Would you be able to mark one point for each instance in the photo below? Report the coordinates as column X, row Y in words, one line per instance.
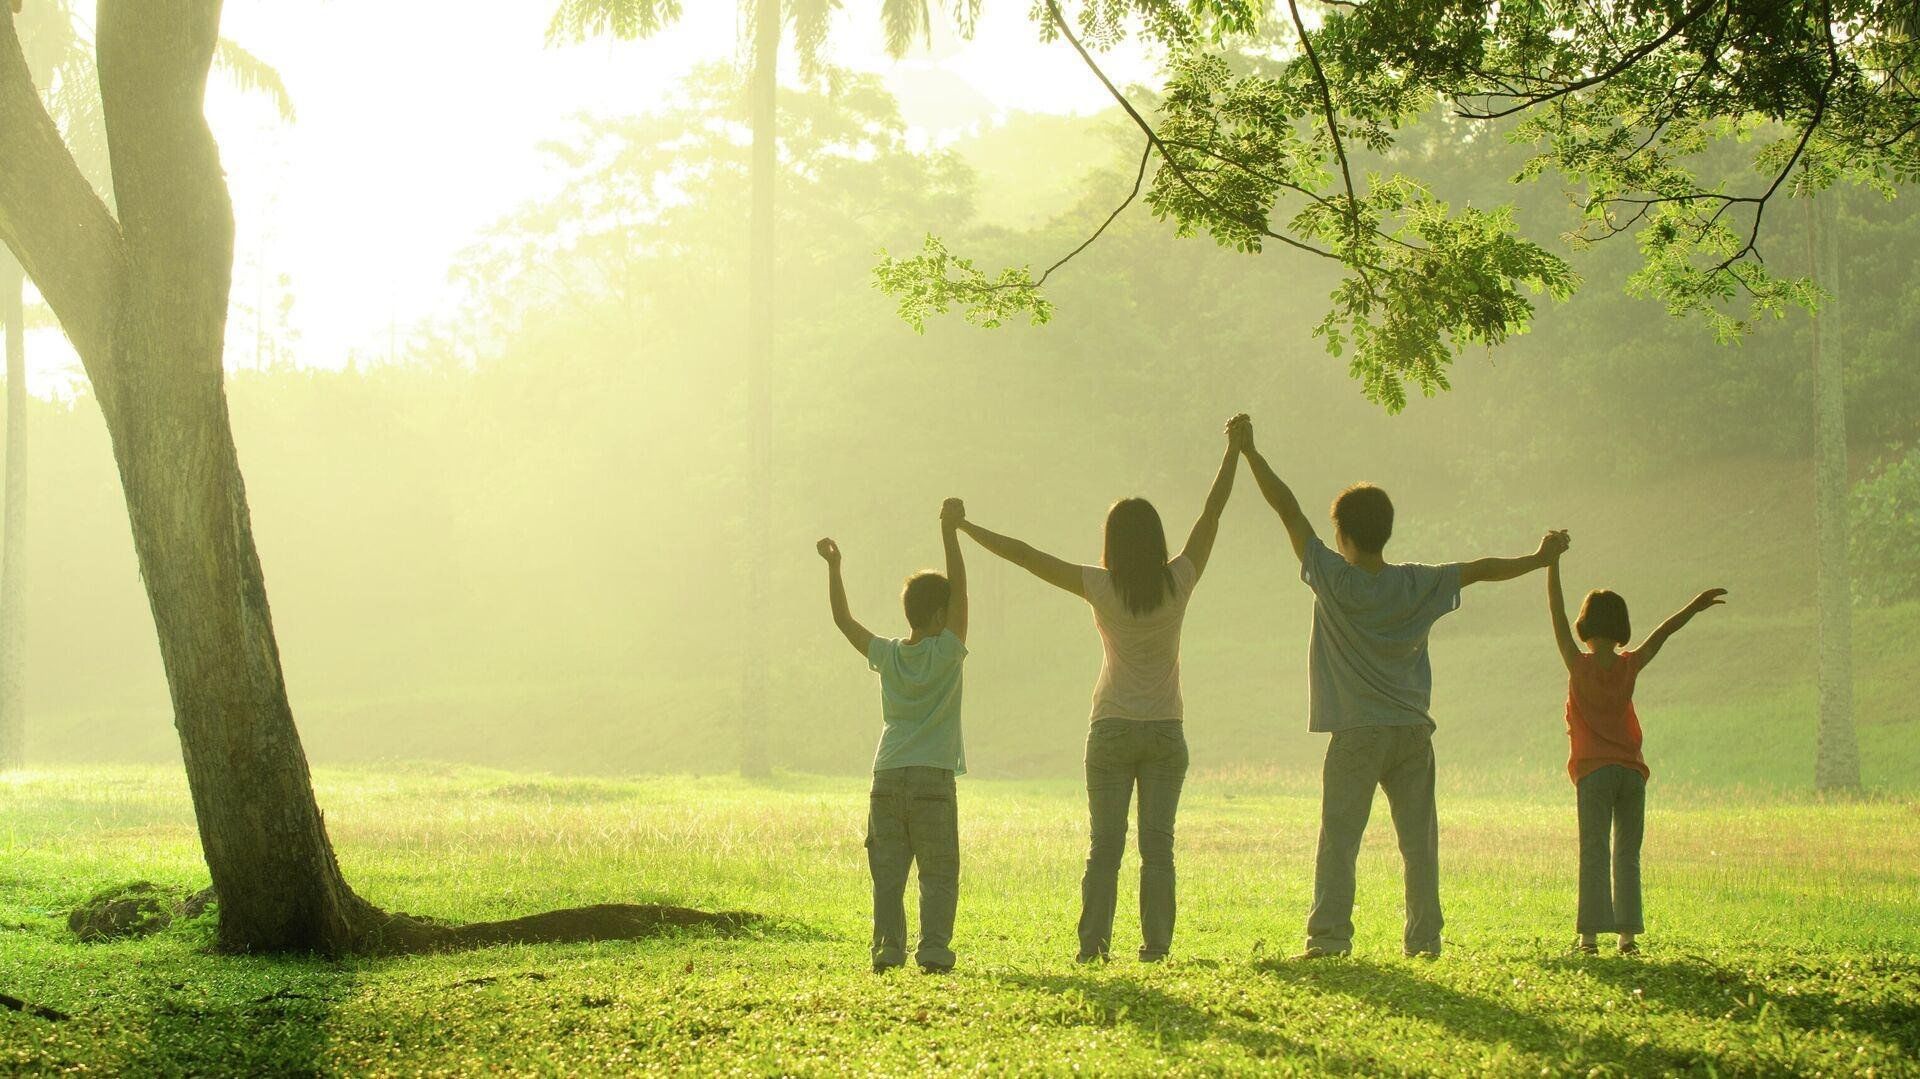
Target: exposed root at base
column 403, row 934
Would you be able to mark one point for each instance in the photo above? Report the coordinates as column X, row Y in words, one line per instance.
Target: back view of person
column 1604, row 761
column 1371, row 688
column 912, row 811
column 1137, row 737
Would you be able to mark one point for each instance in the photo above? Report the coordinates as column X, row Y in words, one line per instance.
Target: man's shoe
column 1314, row 952
column 1090, row 957
column 1425, row 953
column 936, row 968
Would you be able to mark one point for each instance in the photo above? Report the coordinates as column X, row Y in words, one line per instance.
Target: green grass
column 1784, row 938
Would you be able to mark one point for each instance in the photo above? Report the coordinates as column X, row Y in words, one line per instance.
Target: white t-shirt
column 1140, row 666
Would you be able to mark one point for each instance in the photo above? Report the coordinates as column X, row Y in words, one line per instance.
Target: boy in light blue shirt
column 912, row 814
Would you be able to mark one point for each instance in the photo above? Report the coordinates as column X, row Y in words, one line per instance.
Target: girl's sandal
column 1629, row 948
column 1586, row 947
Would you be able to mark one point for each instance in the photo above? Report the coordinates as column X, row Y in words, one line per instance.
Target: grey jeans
column 1399, row 760
column 1612, row 799
column 1123, row 754
column 913, row 817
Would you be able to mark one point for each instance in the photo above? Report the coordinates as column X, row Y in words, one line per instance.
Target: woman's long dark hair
column 1136, row 555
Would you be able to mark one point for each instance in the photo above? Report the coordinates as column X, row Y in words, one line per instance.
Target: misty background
column 499, row 485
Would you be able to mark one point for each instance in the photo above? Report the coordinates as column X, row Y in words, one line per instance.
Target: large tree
column 1268, row 113
column 142, row 291
column 60, row 62
column 903, row 21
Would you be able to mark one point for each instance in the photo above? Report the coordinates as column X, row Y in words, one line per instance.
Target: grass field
column 1783, row 938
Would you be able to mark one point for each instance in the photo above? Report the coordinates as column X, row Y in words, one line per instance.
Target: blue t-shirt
column 1367, row 661
column 920, row 702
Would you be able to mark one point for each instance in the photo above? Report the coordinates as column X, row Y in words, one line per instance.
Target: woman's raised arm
column 1057, row 572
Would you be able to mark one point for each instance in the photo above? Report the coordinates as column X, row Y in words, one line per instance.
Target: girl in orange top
column 1605, row 764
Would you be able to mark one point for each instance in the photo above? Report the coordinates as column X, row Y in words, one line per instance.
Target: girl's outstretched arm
column 1206, row 529
column 1557, row 607
column 1709, row 598
column 1057, row 572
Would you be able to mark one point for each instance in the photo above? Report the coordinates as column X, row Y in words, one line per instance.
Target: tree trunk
column 13, row 536
column 1837, row 755
column 266, row 845
column 762, row 102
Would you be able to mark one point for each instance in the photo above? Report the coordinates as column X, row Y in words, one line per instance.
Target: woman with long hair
column 1137, row 739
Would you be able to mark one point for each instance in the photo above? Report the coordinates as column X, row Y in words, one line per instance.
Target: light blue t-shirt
column 920, row 702
column 1367, row 661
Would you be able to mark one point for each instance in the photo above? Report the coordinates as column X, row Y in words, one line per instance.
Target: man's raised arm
column 1552, row 546
column 1275, row 491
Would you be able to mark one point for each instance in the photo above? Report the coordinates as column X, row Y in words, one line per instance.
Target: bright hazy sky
column 417, row 122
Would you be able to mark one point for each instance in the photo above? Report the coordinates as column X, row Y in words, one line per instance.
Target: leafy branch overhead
column 1263, row 114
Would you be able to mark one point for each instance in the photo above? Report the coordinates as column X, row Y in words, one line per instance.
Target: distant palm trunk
column 13, row 637
column 763, row 83
column 1837, row 756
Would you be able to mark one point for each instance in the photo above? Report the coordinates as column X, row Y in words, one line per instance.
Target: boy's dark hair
column 1364, row 514
column 1136, row 555
column 1604, row 614
column 926, row 595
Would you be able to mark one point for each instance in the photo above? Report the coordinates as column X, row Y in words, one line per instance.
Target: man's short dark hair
column 926, row 595
column 1604, row 614
column 1364, row 514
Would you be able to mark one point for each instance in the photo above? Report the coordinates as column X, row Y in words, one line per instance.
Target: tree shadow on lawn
column 1396, row 988
column 1798, row 994
column 1175, row 1022
column 247, row 1017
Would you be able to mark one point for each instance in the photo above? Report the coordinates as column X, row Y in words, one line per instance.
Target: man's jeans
column 913, row 817
column 1613, row 798
column 1120, row 754
column 1399, row 759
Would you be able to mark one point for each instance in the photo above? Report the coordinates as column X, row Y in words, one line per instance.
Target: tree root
column 406, row 934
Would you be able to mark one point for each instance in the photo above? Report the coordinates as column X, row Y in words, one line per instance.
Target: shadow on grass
column 1115, row 999
column 255, row 1017
column 1883, row 1004
column 1397, row 988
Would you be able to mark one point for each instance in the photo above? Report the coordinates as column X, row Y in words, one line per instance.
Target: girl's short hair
column 1604, row 614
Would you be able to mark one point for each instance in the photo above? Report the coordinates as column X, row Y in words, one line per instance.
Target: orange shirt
column 1601, row 723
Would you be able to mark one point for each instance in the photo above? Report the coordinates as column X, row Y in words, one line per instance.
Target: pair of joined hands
column 953, row 511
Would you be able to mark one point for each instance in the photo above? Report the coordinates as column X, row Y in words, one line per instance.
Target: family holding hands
column 1370, row 688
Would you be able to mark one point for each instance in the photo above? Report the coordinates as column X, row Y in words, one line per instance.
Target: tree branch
column 1153, row 139
column 1631, row 58
column 50, row 217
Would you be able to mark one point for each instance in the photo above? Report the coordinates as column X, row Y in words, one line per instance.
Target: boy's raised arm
column 952, row 513
column 1552, row 545
column 1710, row 598
column 1276, row 492
column 1557, row 607
column 1057, row 572
column 856, row 634
column 1206, row 529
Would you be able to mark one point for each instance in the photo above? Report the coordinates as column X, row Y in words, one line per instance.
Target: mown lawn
column 1784, row 938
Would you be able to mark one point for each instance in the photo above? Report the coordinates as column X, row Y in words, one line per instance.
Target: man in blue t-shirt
column 1370, row 686
column 912, row 815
